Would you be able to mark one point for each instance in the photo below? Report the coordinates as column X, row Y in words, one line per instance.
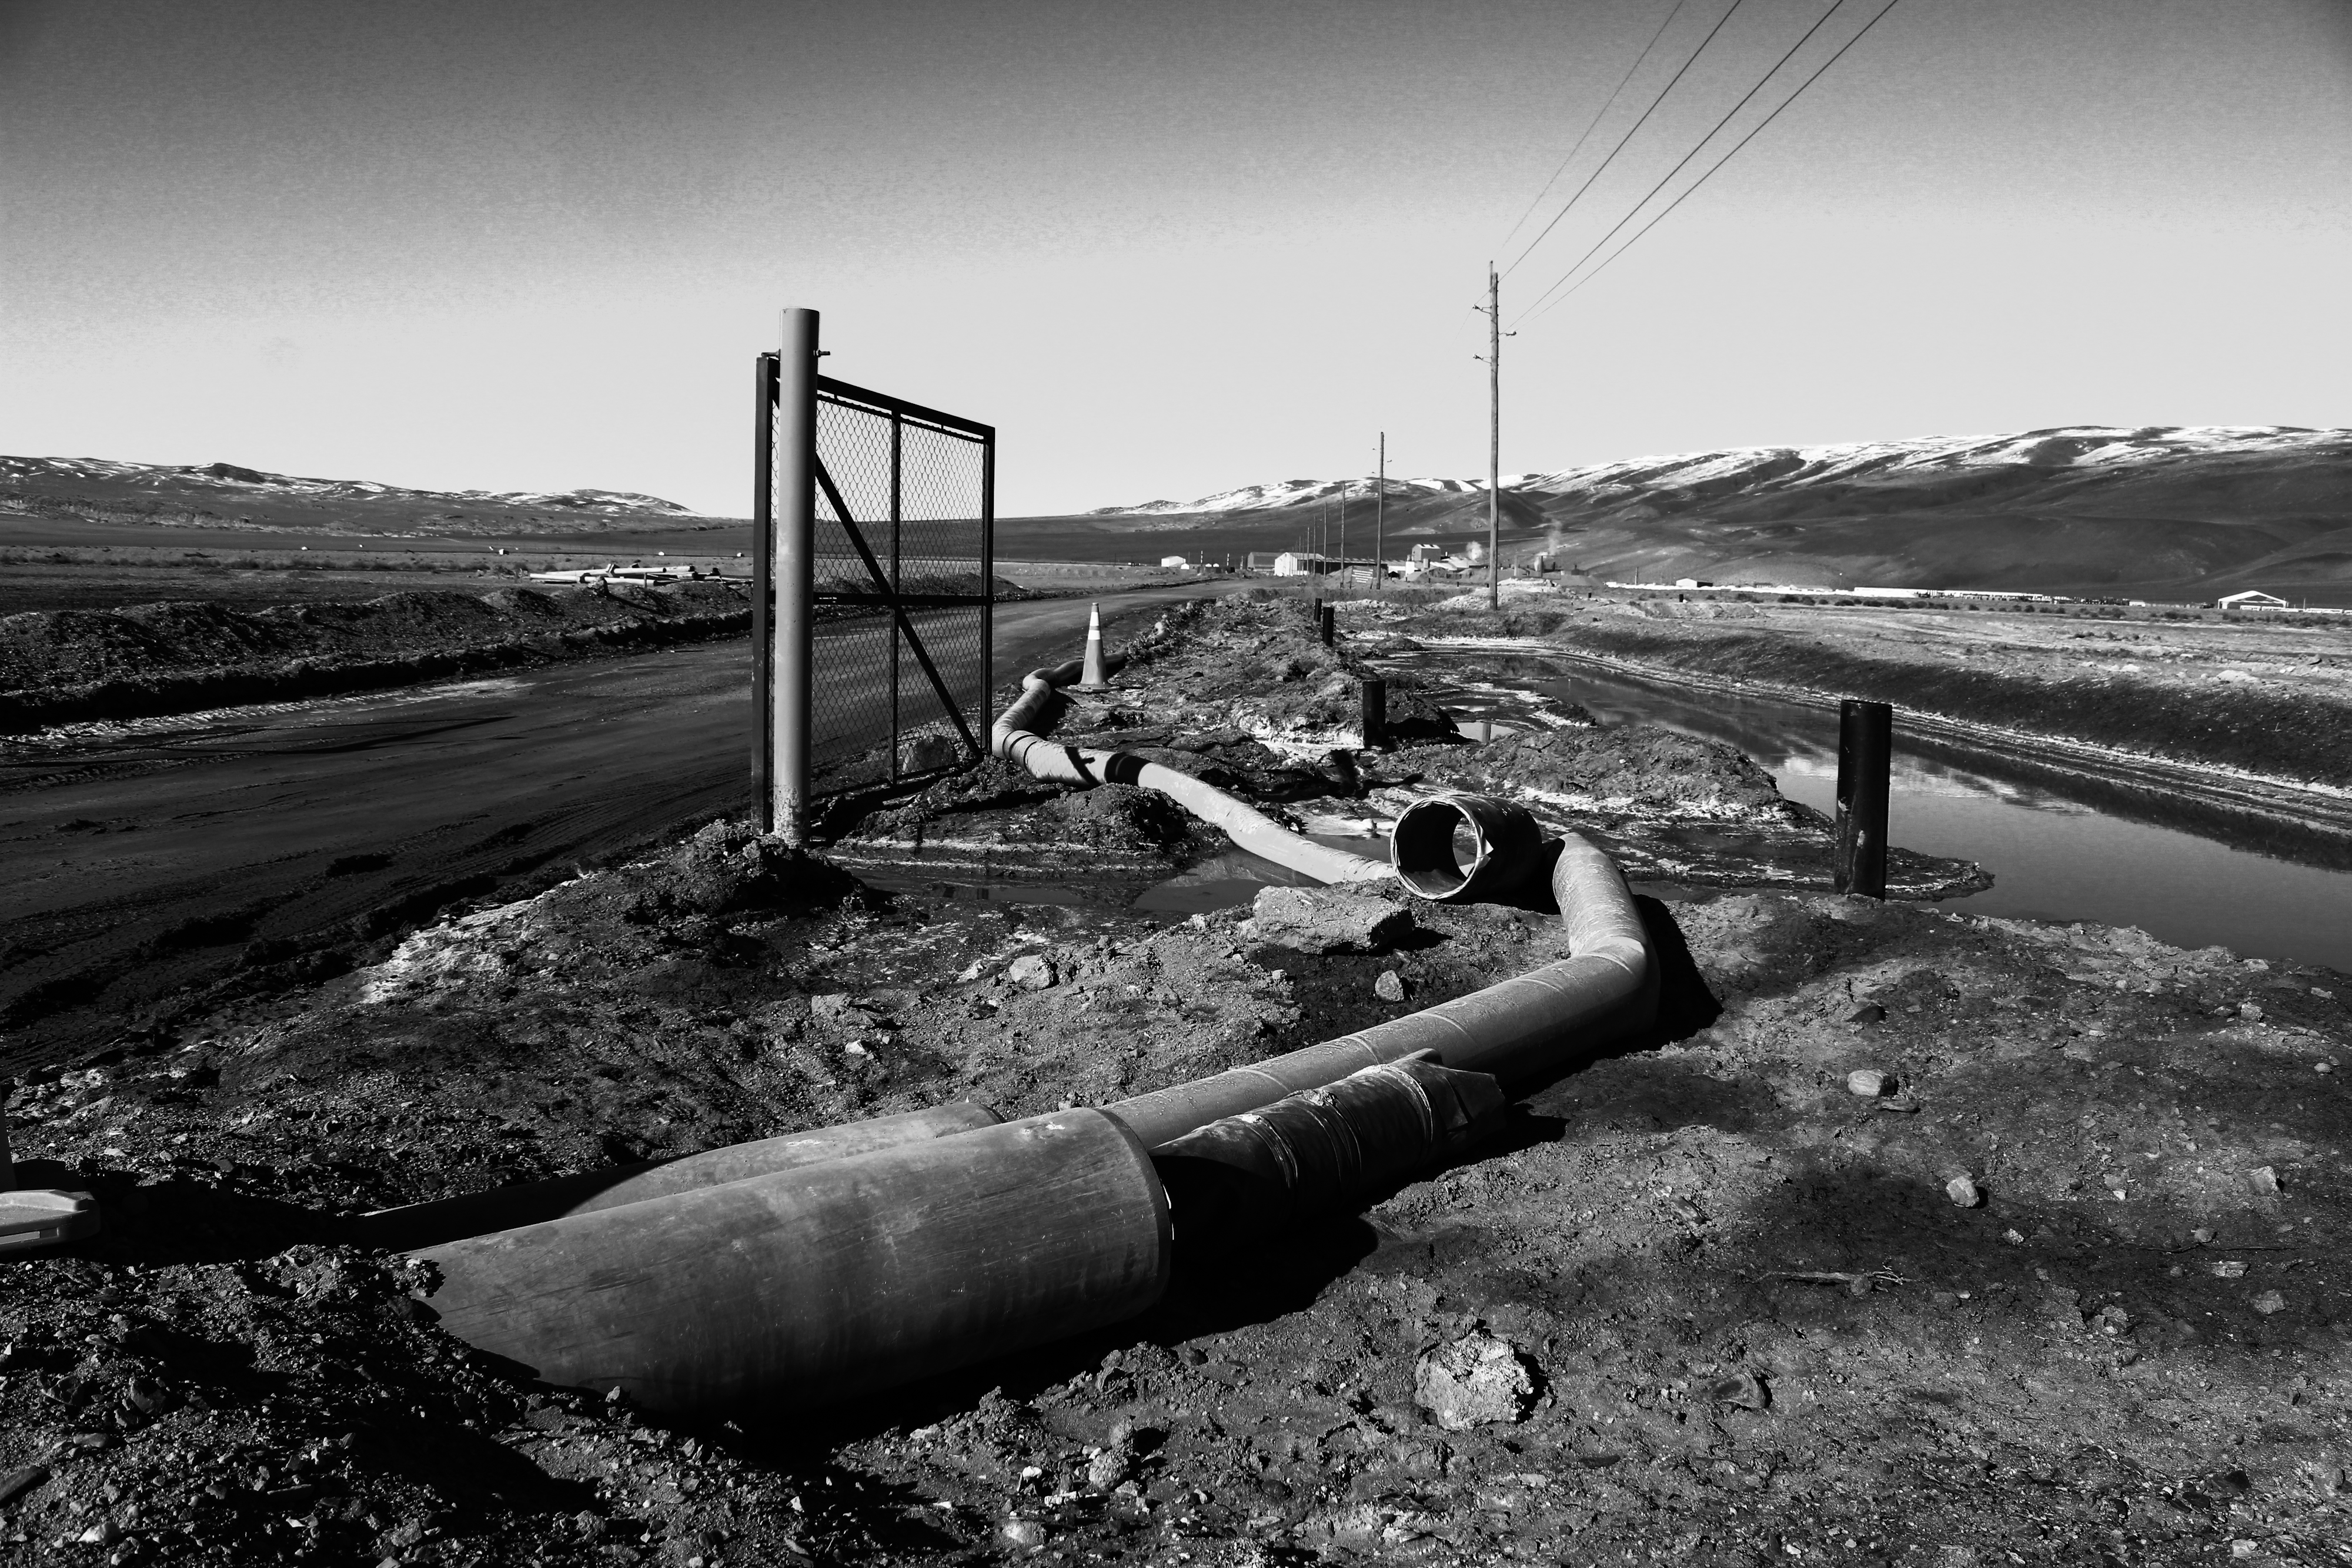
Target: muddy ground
column 2072, row 1287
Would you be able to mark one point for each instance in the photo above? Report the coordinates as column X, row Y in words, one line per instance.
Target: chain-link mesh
column 913, row 494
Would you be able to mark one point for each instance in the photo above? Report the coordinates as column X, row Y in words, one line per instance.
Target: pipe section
column 1314, row 1151
column 1014, row 738
column 1506, row 848
column 1521, row 1030
column 803, row 1286
column 418, row 1225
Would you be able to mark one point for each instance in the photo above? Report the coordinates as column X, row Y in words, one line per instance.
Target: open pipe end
column 1455, row 849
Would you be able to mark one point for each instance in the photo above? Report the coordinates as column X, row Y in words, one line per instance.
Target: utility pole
column 1494, row 438
column 1380, row 520
column 1343, row 536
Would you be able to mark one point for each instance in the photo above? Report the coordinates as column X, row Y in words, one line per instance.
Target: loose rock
column 2262, row 1179
column 1027, row 1534
column 1477, row 1380
column 1963, row 1191
column 1033, row 971
column 1866, row 1081
column 1390, row 987
column 1319, row 920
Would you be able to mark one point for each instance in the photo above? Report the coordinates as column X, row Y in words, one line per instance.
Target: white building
column 2252, row 599
column 1178, row 561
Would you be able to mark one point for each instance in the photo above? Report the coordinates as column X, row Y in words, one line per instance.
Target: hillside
column 217, row 496
column 2084, row 508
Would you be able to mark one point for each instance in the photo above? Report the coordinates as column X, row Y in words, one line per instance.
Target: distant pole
column 1380, row 520
column 1865, row 758
column 1494, row 438
column 1343, row 536
column 795, row 570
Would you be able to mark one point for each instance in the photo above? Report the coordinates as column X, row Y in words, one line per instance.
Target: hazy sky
column 1167, row 249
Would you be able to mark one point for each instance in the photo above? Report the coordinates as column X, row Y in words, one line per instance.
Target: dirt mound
column 1633, row 763
column 57, row 666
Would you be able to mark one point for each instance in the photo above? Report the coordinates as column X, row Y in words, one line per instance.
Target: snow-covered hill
column 227, row 478
column 2108, row 451
column 1300, row 492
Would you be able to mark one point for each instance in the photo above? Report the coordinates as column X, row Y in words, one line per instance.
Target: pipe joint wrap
column 1316, row 1149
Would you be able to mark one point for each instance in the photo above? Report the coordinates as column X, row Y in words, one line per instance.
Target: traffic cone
column 1093, row 679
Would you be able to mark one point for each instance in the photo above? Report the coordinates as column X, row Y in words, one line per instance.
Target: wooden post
column 1327, row 623
column 1376, row 713
column 1865, row 754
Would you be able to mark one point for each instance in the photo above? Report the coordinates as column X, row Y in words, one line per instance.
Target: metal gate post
column 763, row 593
column 897, row 522
column 794, row 572
column 987, row 583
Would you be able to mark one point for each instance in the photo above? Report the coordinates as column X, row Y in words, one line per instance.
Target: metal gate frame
column 790, row 476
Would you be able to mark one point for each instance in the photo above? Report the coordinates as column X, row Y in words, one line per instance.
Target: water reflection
column 2061, row 845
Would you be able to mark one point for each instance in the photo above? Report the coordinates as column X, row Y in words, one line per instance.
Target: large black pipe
column 804, row 1286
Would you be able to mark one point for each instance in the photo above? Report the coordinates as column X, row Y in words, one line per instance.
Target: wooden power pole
column 1380, row 521
column 1494, row 438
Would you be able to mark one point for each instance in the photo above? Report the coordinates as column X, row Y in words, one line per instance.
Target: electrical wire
column 1700, row 146
column 1636, row 126
column 1728, row 157
column 1614, row 94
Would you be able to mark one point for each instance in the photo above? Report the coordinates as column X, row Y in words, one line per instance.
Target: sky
column 1166, row 248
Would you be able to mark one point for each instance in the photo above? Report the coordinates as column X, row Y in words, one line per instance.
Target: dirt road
column 262, row 844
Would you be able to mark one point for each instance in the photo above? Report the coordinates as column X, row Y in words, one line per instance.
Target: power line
column 1700, row 146
column 1728, row 157
column 1637, row 125
column 1614, row 94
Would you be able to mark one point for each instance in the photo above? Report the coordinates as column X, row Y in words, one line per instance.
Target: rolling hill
column 216, row 495
column 2157, row 510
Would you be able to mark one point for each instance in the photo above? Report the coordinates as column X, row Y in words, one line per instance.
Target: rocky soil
column 1906, row 1237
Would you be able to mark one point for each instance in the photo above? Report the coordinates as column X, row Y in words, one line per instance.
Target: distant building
column 1297, row 563
column 1260, row 561
column 2252, row 599
column 1422, row 554
column 1178, row 561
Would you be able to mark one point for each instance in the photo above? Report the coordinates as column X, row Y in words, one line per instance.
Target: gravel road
column 261, row 845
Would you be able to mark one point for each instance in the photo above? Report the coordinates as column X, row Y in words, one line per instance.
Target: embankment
column 65, row 667
column 2289, row 735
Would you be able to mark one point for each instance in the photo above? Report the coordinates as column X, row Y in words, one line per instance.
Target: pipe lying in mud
column 802, row 1285
column 1521, row 1030
column 419, row 1225
column 807, row 1285
column 1013, row 739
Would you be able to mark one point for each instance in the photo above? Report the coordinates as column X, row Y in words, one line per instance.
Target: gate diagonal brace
column 882, row 586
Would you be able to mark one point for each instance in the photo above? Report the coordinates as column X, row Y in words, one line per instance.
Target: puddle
column 2059, row 846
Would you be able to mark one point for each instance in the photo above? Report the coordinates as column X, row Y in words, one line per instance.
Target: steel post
column 1865, row 755
column 763, row 593
column 898, row 521
column 987, row 583
column 794, row 570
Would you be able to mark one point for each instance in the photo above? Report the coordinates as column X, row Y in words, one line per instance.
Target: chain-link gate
column 895, row 542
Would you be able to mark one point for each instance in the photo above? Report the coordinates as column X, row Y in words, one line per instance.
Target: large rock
column 1476, row 1381
column 1325, row 920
